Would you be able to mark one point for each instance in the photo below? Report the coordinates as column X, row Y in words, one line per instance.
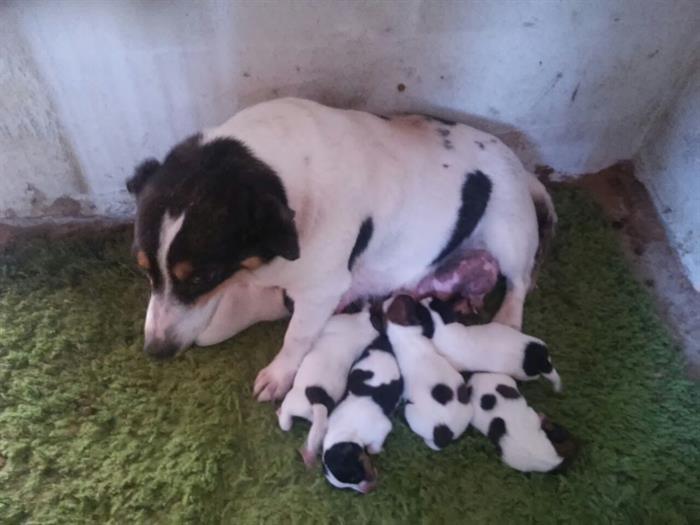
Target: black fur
column 442, row 435
column 386, row 395
column 536, row 359
column 318, row 395
column 464, row 394
column 143, row 172
column 497, row 429
column 425, row 320
column 488, row 401
column 442, row 121
column 476, row 192
column 364, row 235
column 288, row 302
column 354, row 307
column 236, row 207
column 508, row 391
column 442, row 393
column 343, row 461
column 480, row 144
column 444, row 309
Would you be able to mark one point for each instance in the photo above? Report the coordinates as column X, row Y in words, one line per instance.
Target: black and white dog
column 438, row 406
column 322, row 377
column 361, row 422
column 525, row 440
column 328, row 205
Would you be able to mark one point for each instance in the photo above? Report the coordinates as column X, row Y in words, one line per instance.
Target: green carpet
column 92, row 431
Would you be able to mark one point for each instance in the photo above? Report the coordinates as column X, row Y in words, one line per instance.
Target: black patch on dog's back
column 442, row 435
column 508, row 391
column 536, row 359
column 497, row 429
column 442, row 393
column 381, row 342
column 425, row 320
column 464, row 394
column 356, row 382
column 488, row 401
column 476, row 192
column 361, row 241
column 318, row 395
column 386, row 395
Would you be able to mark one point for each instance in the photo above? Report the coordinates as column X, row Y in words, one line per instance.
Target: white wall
column 572, row 84
column 669, row 165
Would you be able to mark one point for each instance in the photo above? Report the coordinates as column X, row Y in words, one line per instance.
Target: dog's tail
column 319, row 425
column 546, row 221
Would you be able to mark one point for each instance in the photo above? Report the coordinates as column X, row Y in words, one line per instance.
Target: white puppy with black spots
column 525, row 440
column 360, row 423
column 437, row 400
column 322, row 377
column 491, row 347
column 329, row 205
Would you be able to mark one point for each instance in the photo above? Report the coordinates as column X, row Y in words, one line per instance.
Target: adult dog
column 327, row 205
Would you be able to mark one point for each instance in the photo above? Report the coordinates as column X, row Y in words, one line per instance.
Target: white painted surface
column 122, row 80
column 669, row 165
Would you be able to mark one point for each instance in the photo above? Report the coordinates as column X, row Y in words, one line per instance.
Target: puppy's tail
column 546, row 221
column 319, row 425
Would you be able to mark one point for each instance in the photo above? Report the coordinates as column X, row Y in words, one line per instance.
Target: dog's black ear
column 143, row 172
column 402, row 311
column 275, row 222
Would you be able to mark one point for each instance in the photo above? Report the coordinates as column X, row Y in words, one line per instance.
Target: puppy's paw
column 274, row 381
column 308, row 457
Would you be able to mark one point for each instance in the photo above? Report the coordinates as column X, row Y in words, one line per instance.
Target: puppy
column 437, row 399
column 322, row 377
column 492, row 347
column 525, row 440
column 360, row 423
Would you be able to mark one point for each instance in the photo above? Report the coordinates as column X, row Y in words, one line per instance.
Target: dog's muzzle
column 161, row 349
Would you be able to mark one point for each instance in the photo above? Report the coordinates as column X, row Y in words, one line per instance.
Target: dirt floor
column 628, row 205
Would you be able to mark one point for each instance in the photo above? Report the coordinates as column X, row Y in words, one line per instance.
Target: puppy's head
column 208, row 212
column 404, row 310
column 563, row 442
column 346, row 465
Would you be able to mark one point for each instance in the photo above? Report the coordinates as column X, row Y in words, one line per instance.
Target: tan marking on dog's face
column 182, row 270
column 142, row 260
column 252, row 263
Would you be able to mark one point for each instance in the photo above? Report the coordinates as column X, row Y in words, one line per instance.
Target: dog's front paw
column 274, row 381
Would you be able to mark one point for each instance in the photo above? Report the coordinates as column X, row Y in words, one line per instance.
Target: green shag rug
column 93, row 431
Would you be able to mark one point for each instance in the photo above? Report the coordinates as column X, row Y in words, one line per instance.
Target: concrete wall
column 89, row 88
column 669, row 165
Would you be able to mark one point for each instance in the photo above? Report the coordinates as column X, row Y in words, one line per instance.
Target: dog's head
column 206, row 213
column 347, row 466
column 404, row 310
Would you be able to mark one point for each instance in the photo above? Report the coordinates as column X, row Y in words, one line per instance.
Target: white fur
column 422, row 368
column 525, row 446
column 340, row 167
column 491, row 347
column 342, row 341
column 358, row 419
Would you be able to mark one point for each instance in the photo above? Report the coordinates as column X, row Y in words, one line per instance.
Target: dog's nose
column 160, row 349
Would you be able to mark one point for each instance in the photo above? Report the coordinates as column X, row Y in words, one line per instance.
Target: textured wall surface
column 95, row 86
column 669, row 165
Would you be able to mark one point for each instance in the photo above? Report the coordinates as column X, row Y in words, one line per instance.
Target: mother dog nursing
column 326, row 206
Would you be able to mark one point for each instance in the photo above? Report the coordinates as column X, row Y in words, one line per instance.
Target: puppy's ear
column 402, row 311
column 275, row 222
column 143, row 172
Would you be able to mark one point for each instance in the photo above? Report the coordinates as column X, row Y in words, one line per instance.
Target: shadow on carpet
column 92, row 431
